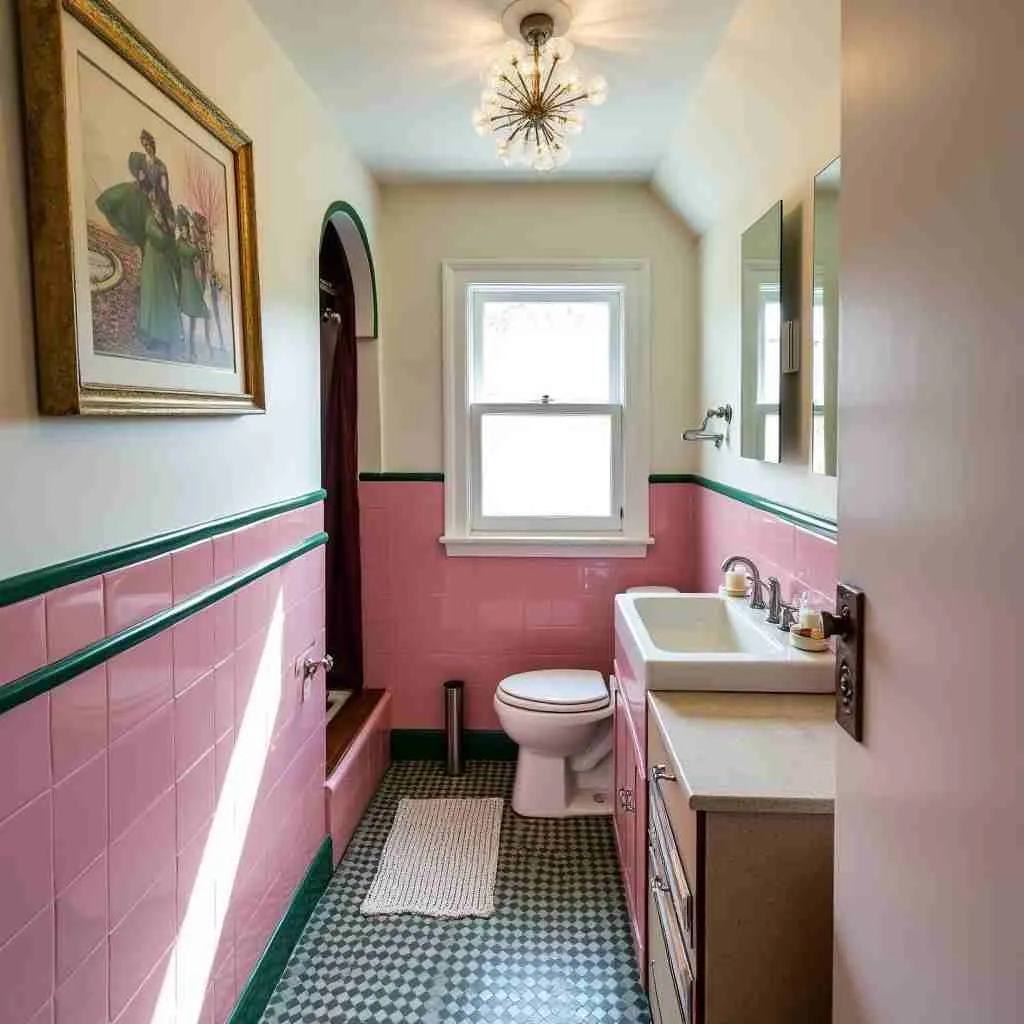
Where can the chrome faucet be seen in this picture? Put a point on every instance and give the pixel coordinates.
(774, 600)
(756, 586)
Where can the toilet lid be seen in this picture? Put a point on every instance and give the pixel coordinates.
(555, 690)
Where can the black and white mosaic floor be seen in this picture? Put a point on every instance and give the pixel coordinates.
(556, 951)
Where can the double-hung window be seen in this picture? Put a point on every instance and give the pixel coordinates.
(546, 408)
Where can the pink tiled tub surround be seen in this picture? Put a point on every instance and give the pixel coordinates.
(803, 561)
(155, 817)
(355, 779)
(427, 617)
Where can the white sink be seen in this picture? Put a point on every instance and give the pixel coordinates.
(707, 642)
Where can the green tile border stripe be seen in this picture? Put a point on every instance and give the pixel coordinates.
(428, 745)
(49, 677)
(270, 966)
(402, 478)
(806, 520)
(40, 581)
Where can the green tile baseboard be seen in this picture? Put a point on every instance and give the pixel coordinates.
(428, 745)
(402, 478)
(40, 581)
(270, 966)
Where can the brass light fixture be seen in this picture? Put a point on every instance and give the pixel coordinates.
(534, 97)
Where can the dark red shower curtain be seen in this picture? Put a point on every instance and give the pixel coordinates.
(341, 467)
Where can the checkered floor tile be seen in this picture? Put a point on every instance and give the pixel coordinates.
(557, 950)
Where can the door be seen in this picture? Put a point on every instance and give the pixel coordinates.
(930, 808)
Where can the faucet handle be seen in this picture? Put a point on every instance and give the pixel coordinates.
(789, 614)
(757, 588)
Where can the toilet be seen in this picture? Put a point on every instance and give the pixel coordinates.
(562, 721)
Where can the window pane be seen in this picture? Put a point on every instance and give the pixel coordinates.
(530, 349)
(771, 437)
(546, 465)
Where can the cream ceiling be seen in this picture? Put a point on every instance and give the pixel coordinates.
(403, 76)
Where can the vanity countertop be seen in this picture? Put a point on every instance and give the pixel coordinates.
(751, 752)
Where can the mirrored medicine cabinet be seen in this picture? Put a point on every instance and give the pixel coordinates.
(761, 338)
(825, 321)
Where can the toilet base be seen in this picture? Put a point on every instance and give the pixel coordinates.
(546, 787)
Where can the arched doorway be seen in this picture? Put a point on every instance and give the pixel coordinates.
(339, 459)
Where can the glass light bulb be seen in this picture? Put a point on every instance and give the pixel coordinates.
(560, 48)
(573, 123)
(561, 154)
(544, 161)
(481, 122)
(597, 90)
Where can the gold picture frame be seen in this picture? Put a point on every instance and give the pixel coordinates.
(105, 283)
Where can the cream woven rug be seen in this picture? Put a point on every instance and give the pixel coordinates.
(440, 860)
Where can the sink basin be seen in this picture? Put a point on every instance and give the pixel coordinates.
(707, 642)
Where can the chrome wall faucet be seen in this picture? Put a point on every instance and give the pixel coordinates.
(756, 586)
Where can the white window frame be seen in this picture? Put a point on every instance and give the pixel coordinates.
(625, 534)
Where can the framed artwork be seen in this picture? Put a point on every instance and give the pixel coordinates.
(142, 219)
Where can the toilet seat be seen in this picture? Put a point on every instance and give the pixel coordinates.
(557, 691)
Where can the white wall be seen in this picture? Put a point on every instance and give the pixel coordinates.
(762, 123)
(74, 486)
(421, 225)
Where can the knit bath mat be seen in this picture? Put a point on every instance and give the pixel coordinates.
(440, 860)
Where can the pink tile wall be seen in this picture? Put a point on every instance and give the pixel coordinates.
(800, 559)
(428, 618)
(157, 812)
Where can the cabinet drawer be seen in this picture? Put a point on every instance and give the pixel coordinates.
(671, 796)
(670, 978)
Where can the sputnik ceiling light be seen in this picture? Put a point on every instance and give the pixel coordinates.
(534, 97)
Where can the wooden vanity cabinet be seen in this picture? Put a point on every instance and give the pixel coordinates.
(629, 819)
(759, 883)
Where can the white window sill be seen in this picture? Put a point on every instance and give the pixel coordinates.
(487, 545)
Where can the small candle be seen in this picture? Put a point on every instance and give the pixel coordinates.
(735, 580)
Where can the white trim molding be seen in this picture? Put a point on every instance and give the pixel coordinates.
(466, 532)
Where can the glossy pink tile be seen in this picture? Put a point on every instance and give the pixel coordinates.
(81, 918)
(223, 556)
(78, 720)
(141, 855)
(141, 940)
(224, 699)
(816, 562)
(191, 570)
(225, 991)
(196, 796)
(74, 617)
(194, 648)
(26, 969)
(223, 613)
(155, 1001)
(194, 722)
(82, 998)
(137, 592)
(79, 820)
(196, 886)
(26, 880)
(45, 1015)
(22, 638)
(141, 768)
(140, 681)
(24, 754)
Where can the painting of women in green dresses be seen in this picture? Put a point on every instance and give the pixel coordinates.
(157, 235)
